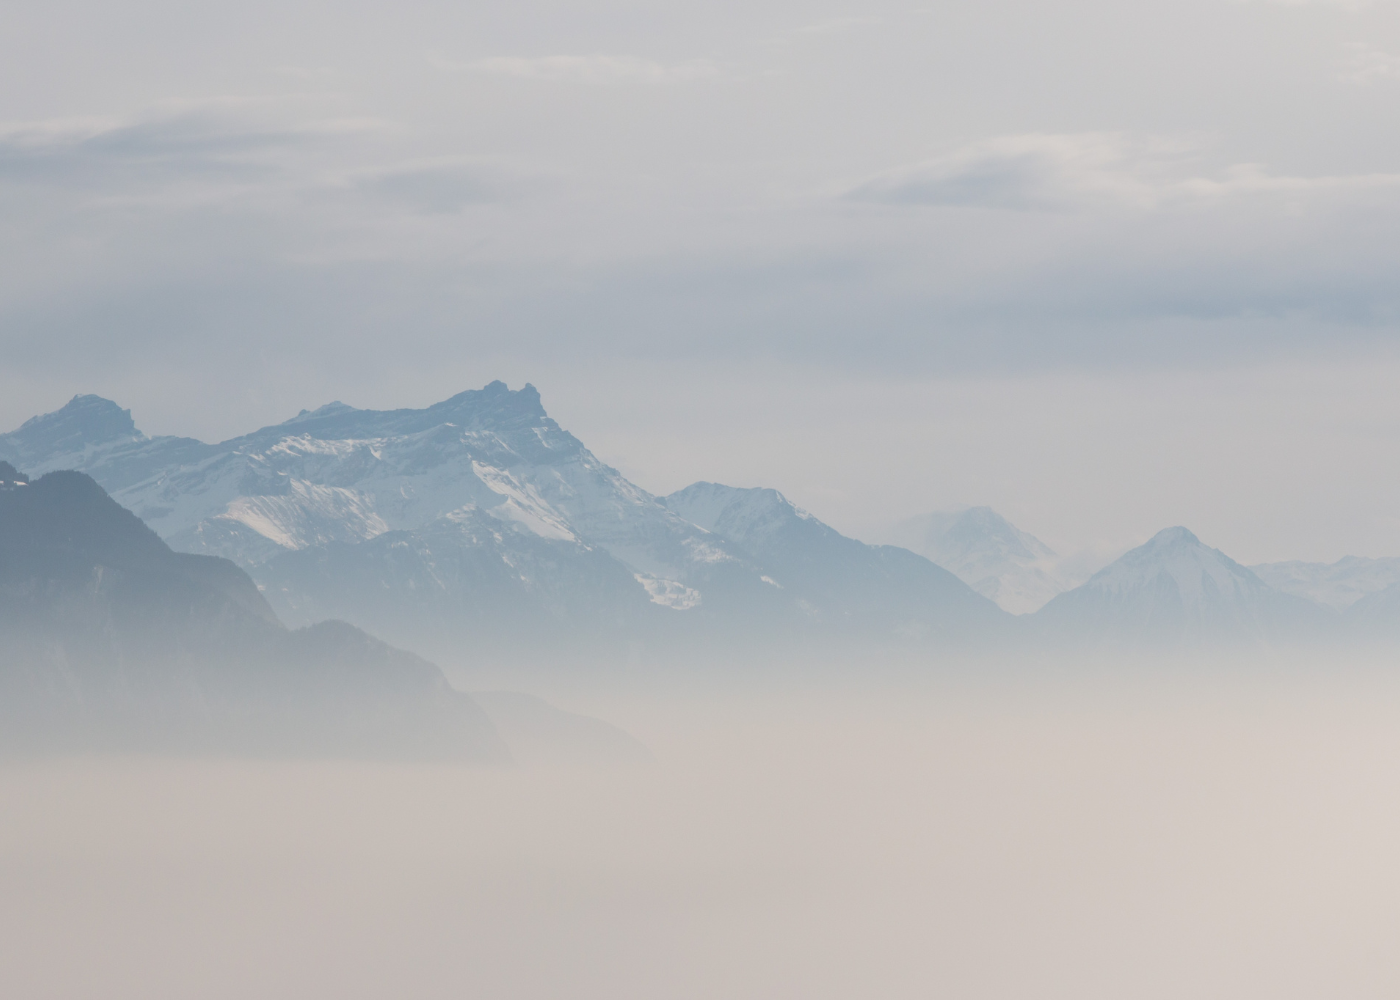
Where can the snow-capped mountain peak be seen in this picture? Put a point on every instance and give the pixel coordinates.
(970, 532)
(1199, 573)
(749, 516)
(989, 553)
(1175, 589)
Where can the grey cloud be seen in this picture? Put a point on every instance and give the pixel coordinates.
(1368, 64)
(675, 226)
(1084, 171)
(252, 159)
(836, 25)
(1344, 5)
(440, 186)
(188, 144)
(1019, 172)
(596, 68)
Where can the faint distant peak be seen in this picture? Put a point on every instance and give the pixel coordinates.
(1177, 536)
(988, 553)
(955, 536)
(985, 523)
(984, 516)
(1337, 585)
(1168, 546)
(1178, 554)
(85, 421)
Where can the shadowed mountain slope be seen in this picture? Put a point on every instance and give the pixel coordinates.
(539, 733)
(113, 641)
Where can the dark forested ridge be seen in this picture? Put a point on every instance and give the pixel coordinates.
(111, 640)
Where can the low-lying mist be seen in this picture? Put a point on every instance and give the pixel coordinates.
(1200, 834)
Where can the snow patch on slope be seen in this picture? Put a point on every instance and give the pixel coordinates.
(522, 504)
(669, 593)
(309, 514)
(251, 529)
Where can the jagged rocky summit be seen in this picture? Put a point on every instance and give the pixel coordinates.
(479, 524)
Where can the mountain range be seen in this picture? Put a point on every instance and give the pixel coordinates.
(477, 529)
(1337, 585)
(476, 525)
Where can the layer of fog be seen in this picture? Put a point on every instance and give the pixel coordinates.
(1201, 834)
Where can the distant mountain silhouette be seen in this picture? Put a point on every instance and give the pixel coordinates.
(1175, 592)
(110, 640)
(989, 554)
(842, 586)
(1337, 585)
(1376, 617)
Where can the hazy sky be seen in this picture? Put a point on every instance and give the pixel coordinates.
(1104, 266)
